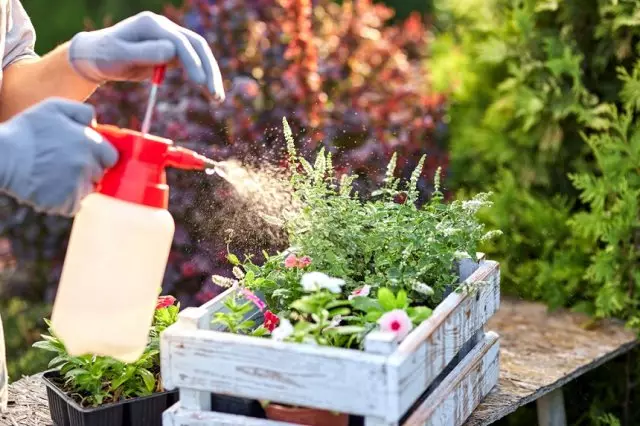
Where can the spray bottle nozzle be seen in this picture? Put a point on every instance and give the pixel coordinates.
(185, 159)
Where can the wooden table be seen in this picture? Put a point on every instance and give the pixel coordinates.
(540, 352)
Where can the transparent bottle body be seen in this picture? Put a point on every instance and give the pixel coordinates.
(113, 270)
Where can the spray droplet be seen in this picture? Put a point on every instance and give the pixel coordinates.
(210, 171)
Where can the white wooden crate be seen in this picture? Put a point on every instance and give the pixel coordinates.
(386, 383)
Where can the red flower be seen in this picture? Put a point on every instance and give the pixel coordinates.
(271, 321)
(165, 301)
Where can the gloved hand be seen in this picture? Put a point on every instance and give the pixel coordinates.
(130, 49)
(50, 159)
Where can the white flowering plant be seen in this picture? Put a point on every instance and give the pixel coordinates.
(387, 240)
(394, 258)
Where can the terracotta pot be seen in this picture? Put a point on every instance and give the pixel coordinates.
(305, 416)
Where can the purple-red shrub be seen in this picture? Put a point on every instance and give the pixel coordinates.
(343, 79)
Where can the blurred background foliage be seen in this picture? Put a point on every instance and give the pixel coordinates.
(376, 99)
(58, 24)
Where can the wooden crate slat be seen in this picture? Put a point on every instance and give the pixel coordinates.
(425, 353)
(177, 416)
(306, 375)
(463, 389)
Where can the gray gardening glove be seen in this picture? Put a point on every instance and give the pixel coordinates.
(50, 158)
(130, 49)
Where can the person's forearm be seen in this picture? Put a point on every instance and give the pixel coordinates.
(27, 82)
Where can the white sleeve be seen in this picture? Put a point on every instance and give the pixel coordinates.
(21, 36)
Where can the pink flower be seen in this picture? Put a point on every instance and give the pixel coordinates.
(304, 261)
(248, 294)
(360, 292)
(291, 261)
(397, 322)
(165, 301)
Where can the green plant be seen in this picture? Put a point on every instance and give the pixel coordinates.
(322, 317)
(611, 224)
(326, 316)
(95, 380)
(386, 302)
(279, 283)
(387, 241)
(22, 324)
(534, 80)
(530, 77)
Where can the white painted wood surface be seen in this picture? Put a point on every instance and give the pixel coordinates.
(178, 416)
(380, 383)
(320, 377)
(463, 389)
(425, 353)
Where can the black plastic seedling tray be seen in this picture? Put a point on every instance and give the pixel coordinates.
(144, 411)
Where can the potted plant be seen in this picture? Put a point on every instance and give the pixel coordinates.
(354, 266)
(94, 390)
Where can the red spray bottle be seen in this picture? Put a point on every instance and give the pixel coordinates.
(119, 247)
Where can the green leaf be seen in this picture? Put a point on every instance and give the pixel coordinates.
(76, 372)
(401, 300)
(148, 378)
(339, 311)
(373, 316)
(233, 259)
(46, 345)
(304, 305)
(387, 299)
(337, 303)
(249, 278)
(259, 332)
(419, 313)
(365, 304)
(346, 329)
(60, 359)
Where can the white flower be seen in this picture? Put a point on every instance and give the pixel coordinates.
(360, 292)
(459, 255)
(472, 206)
(237, 272)
(290, 250)
(314, 281)
(284, 330)
(423, 288)
(491, 235)
(223, 281)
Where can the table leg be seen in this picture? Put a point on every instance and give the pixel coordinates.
(551, 409)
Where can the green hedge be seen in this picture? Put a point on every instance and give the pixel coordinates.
(528, 79)
(545, 97)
